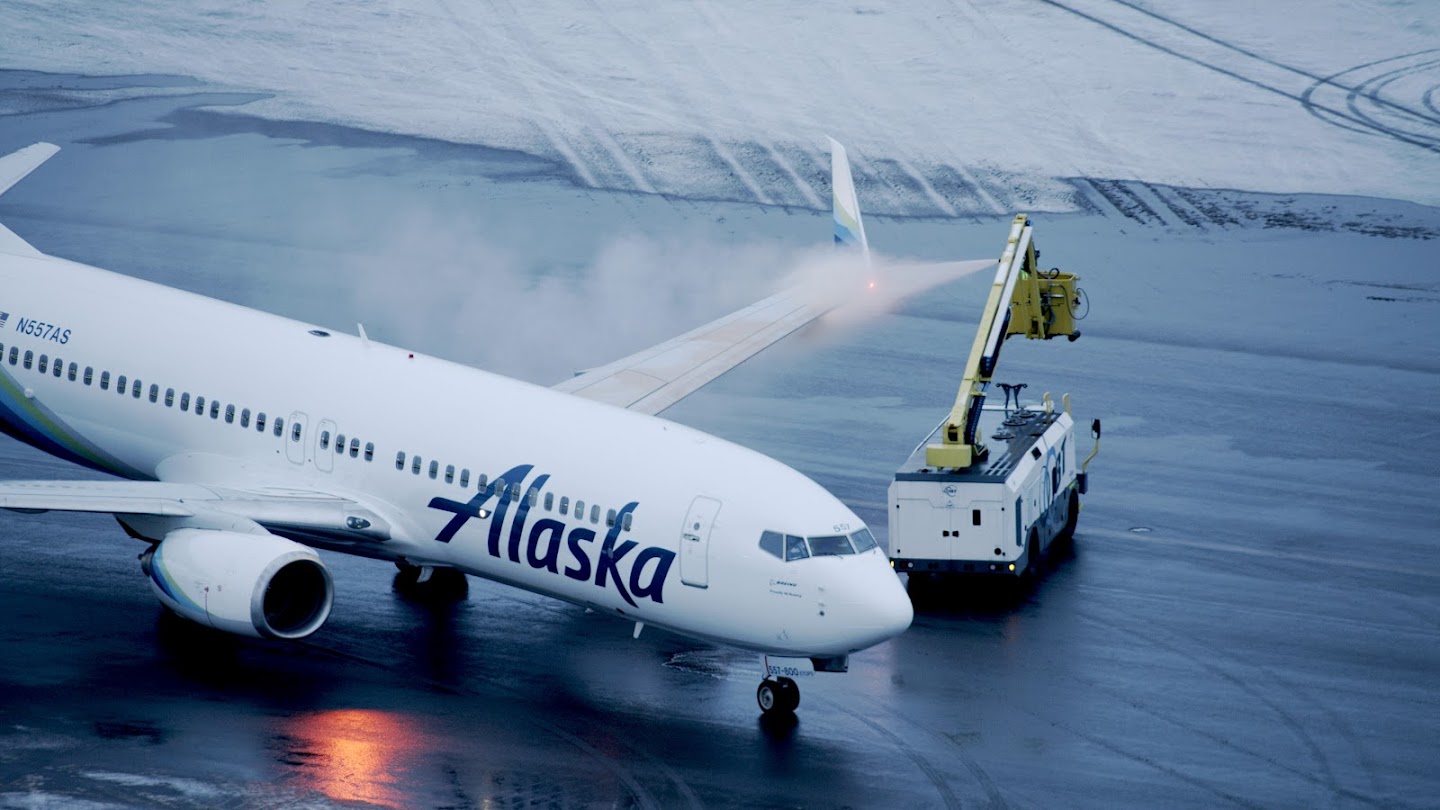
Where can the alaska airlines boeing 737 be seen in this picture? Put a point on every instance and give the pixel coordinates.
(257, 439)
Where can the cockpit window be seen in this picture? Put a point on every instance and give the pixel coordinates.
(773, 543)
(863, 540)
(831, 545)
(795, 548)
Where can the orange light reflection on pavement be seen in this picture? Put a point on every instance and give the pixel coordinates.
(357, 755)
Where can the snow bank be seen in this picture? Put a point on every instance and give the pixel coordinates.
(948, 107)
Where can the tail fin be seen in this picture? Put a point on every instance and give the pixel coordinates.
(13, 168)
(849, 230)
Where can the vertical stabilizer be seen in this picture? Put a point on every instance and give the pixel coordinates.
(849, 230)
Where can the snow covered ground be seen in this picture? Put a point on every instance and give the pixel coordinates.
(949, 107)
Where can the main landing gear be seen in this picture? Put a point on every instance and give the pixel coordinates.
(779, 696)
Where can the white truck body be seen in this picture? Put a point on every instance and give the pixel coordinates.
(998, 516)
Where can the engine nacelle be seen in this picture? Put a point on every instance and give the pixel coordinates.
(249, 584)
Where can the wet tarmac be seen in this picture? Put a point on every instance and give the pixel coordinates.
(1251, 614)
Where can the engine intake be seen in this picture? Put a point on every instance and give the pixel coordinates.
(256, 585)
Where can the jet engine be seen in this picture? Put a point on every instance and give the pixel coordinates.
(249, 584)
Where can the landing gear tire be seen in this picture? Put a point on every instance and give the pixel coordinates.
(444, 585)
(778, 697)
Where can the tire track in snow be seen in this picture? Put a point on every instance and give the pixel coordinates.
(717, 24)
(549, 133)
(720, 149)
(1303, 97)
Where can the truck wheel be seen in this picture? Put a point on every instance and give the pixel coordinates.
(1068, 532)
(1032, 557)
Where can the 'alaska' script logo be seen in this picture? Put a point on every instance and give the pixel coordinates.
(548, 539)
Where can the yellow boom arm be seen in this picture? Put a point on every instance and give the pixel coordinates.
(1022, 301)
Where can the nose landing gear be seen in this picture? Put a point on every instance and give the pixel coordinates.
(780, 696)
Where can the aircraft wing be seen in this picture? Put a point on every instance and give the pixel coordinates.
(196, 506)
(652, 380)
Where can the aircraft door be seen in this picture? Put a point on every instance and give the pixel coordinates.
(294, 437)
(695, 542)
(325, 435)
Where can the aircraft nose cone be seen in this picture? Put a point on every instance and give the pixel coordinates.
(881, 609)
(892, 606)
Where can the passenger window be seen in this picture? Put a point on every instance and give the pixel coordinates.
(610, 517)
(434, 468)
(215, 414)
(340, 443)
(279, 426)
(564, 504)
(974, 517)
(628, 515)
(415, 466)
(44, 364)
(795, 548)
(199, 401)
(449, 473)
(137, 389)
(515, 492)
(369, 451)
(324, 440)
(480, 482)
(500, 490)
(29, 358)
(104, 375)
(354, 448)
(549, 501)
(579, 509)
(532, 496)
(864, 540)
(464, 478)
(400, 460)
(169, 397)
(14, 355)
(73, 370)
(154, 393)
(773, 543)
(185, 401)
(120, 385)
(260, 421)
(831, 545)
(59, 367)
(229, 414)
(295, 431)
(595, 513)
(245, 418)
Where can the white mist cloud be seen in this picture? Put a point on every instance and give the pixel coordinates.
(443, 289)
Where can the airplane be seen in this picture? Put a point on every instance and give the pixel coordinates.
(245, 441)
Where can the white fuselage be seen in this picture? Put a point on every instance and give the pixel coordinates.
(672, 517)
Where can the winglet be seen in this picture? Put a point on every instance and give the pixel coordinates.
(14, 166)
(849, 230)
